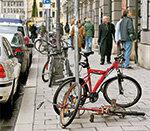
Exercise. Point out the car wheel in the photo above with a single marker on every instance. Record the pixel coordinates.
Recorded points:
(8, 108)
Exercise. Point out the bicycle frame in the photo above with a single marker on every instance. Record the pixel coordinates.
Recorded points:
(103, 73)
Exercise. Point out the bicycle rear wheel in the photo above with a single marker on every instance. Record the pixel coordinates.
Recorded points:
(70, 105)
(45, 72)
(41, 46)
(127, 97)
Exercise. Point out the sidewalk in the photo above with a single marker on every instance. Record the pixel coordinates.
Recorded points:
(45, 119)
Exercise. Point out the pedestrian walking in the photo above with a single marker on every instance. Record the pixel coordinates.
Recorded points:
(72, 32)
(33, 30)
(105, 39)
(89, 30)
(67, 28)
(81, 37)
(127, 36)
(118, 36)
(43, 30)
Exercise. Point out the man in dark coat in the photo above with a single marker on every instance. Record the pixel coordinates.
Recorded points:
(105, 39)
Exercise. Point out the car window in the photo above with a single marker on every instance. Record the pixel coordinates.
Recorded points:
(16, 39)
(21, 29)
(7, 47)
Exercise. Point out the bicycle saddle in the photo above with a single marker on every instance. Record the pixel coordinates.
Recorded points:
(86, 54)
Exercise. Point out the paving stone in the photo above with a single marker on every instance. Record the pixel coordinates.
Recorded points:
(84, 129)
(117, 128)
(135, 128)
(44, 127)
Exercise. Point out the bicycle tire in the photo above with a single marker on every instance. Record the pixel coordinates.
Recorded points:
(70, 105)
(38, 45)
(51, 71)
(120, 102)
(57, 99)
(45, 75)
(124, 113)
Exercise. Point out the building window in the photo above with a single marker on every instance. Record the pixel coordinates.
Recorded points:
(40, 13)
(53, 14)
(4, 10)
(8, 4)
(12, 3)
(40, 4)
(4, 3)
(20, 3)
(8, 10)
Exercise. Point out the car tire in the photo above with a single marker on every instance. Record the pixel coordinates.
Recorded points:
(7, 108)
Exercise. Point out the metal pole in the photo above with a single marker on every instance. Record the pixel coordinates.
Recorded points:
(58, 25)
(136, 31)
(76, 49)
(48, 22)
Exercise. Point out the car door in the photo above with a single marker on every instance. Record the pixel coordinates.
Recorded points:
(12, 63)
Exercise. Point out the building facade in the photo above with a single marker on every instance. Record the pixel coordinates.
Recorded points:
(12, 8)
(42, 13)
(96, 9)
(144, 45)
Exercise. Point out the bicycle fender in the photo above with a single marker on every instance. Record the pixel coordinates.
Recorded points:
(65, 79)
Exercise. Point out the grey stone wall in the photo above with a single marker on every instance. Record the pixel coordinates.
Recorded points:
(144, 46)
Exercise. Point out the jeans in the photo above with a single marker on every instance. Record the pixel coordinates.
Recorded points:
(88, 43)
(127, 46)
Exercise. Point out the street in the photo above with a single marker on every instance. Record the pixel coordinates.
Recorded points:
(45, 119)
(9, 124)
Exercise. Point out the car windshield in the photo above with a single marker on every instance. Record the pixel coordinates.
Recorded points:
(17, 40)
(10, 29)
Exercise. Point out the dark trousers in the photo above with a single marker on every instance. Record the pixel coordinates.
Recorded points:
(103, 58)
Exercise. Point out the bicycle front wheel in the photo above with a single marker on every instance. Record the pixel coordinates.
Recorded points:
(51, 71)
(129, 95)
(64, 87)
(41, 46)
(70, 105)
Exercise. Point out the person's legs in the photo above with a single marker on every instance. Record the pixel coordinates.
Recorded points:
(118, 48)
(127, 46)
(108, 59)
(90, 43)
(87, 43)
(102, 59)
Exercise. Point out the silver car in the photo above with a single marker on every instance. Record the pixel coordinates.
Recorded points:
(9, 75)
(17, 42)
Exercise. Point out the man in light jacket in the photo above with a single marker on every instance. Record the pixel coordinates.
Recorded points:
(118, 36)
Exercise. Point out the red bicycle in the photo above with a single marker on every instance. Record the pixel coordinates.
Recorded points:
(124, 89)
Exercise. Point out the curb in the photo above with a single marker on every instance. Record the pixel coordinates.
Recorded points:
(26, 114)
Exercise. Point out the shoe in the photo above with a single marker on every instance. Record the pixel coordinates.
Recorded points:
(108, 62)
(129, 67)
(102, 63)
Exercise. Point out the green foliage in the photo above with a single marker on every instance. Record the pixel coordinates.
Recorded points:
(34, 9)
